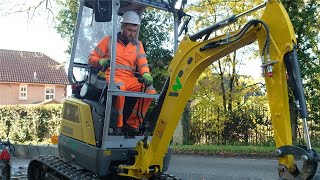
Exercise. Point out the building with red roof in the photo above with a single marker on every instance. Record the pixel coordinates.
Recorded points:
(30, 78)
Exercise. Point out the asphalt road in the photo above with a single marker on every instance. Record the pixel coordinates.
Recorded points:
(189, 167)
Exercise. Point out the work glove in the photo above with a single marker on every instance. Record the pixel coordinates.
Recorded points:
(147, 79)
(105, 63)
(102, 74)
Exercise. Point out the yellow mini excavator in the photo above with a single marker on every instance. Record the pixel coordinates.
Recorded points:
(89, 145)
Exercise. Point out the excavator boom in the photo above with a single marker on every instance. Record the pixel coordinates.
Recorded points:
(275, 35)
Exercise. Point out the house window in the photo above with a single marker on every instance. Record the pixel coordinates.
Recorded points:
(49, 93)
(23, 92)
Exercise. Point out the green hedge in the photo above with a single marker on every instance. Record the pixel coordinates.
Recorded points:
(29, 124)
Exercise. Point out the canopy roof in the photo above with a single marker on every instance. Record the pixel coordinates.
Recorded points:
(136, 5)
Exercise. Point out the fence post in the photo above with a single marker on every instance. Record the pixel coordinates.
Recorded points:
(186, 123)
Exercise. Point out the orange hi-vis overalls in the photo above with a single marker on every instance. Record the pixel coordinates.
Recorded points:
(128, 58)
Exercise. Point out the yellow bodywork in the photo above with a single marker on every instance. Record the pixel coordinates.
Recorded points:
(185, 68)
(77, 121)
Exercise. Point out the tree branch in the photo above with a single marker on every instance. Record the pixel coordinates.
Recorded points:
(25, 6)
(206, 94)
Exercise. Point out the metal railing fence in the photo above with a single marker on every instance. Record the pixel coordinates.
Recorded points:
(246, 126)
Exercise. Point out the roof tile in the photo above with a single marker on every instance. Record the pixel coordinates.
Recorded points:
(30, 67)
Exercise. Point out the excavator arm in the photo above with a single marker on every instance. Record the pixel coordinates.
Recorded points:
(276, 39)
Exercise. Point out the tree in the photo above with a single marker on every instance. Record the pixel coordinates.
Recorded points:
(31, 9)
(66, 18)
(224, 74)
(207, 104)
(155, 36)
(305, 18)
(208, 12)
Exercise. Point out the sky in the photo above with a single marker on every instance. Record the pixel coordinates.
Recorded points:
(36, 35)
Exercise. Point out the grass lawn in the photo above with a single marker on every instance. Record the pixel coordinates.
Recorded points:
(227, 150)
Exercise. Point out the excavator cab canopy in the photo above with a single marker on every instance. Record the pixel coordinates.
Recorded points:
(94, 22)
(103, 8)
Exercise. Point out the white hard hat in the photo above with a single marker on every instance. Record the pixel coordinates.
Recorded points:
(130, 17)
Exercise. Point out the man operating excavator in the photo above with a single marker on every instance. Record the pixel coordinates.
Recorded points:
(130, 57)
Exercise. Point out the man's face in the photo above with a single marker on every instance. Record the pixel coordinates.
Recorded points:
(129, 31)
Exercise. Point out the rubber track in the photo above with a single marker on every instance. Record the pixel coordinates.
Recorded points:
(68, 171)
(64, 169)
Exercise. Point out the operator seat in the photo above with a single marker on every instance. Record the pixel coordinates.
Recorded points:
(94, 93)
